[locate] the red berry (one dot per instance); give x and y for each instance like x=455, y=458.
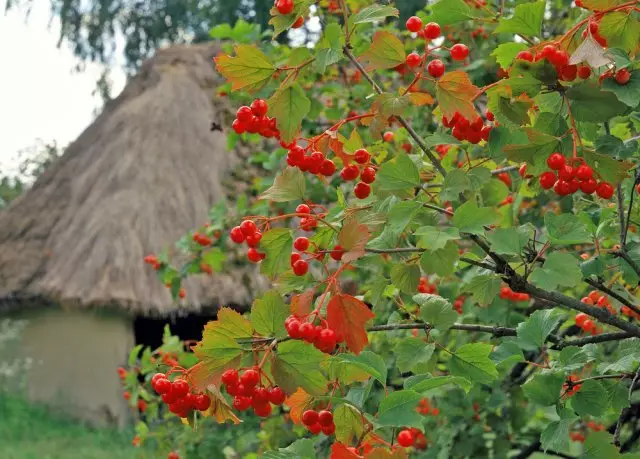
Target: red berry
x=162, y=386
x=349, y=172
x=241, y=403
x=337, y=253
x=459, y=52
x=431, y=31
x=547, y=180
x=566, y=173
x=587, y=325
x=325, y=418
x=435, y=68
x=310, y=417
x=581, y=318
x=489, y=115
x=362, y=190
x=259, y=107
x=308, y=332
x=298, y=23
x=623, y=76
x=301, y=244
x=329, y=430
x=562, y=188
x=413, y=60
x=593, y=27
x=315, y=429
x=303, y=209
x=328, y=168
x=574, y=185
x=173, y=455
x=263, y=410
x=154, y=379
x=294, y=257
x=388, y=136
x=588, y=186
x=569, y=72
x=505, y=178
x=293, y=329
x=254, y=255
x=525, y=56
x=277, y=396
x=180, y=388
x=414, y=24
x=368, y=175
x=584, y=71
x=523, y=170
x=300, y=267
x=261, y=396
x=555, y=161
x=237, y=235
x=244, y=115
x=254, y=239
x=362, y=156
x=326, y=340
x=604, y=190
x=250, y=378
x=203, y=402
x=238, y=127
x=405, y=438
x=584, y=172
x=284, y=6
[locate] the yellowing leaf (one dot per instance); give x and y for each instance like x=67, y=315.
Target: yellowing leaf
x=386, y=51
x=301, y=304
x=421, y=98
x=250, y=69
x=455, y=93
x=298, y=402
x=348, y=315
x=220, y=409
x=352, y=238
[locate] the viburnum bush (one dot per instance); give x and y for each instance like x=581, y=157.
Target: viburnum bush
x=450, y=234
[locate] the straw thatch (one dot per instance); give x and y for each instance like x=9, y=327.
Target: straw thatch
x=145, y=172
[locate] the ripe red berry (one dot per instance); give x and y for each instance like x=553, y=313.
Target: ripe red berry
x=581, y=318
x=505, y=178
x=327, y=168
x=237, y=235
x=203, y=402
x=308, y=332
x=604, y=190
x=555, y=161
x=361, y=156
x=368, y=175
x=349, y=172
x=250, y=378
x=622, y=76
x=261, y=396
x=413, y=60
x=298, y=23
x=310, y=417
x=562, y=188
x=315, y=429
x=154, y=379
x=436, y=68
x=325, y=418
x=293, y=329
x=254, y=239
x=259, y=107
x=405, y=438
x=431, y=30
x=584, y=172
x=388, y=136
x=587, y=325
x=244, y=115
x=525, y=56
x=303, y=209
x=254, y=255
x=277, y=396
x=414, y=24
x=329, y=430
x=566, y=173
x=284, y=6
x=230, y=377
x=241, y=403
x=301, y=244
x=584, y=71
x=337, y=253
x=326, y=340
x=547, y=180
x=459, y=52
x=362, y=190
x=162, y=386
x=248, y=227
x=262, y=410
x=180, y=388
x=300, y=267
x=588, y=186
x=173, y=455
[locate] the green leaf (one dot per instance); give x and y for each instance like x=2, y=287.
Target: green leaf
x=425, y=383
x=608, y=168
x=620, y=57
x=440, y=138
x=268, y=315
x=369, y=362
x=507, y=354
x=289, y=106
x=555, y=435
x=533, y=332
x=447, y=12
x=629, y=93
x=436, y=310
x=348, y=423
x=386, y=51
x=435, y=237
x=621, y=29
x=329, y=49
x=300, y=449
x=399, y=410
x=484, y=288
x=472, y=362
x=373, y=13
x=296, y=364
x=391, y=104
x=529, y=77
x=469, y=218
x=544, y=388
x=505, y=53
x=457, y=181
x=559, y=269
x=613, y=146
x=400, y=215
x=572, y=358
x=282, y=22
x=590, y=103
x=508, y=110
x=599, y=445
x=249, y=70
x=289, y=185
x=566, y=229
x=540, y=145
x=214, y=258
x=527, y=20
x=412, y=354
x=277, y=245
x=398, y=174
x=591, y=399
x=406, y=277
x=442, y=261
x=628, y=356
x=508, y=241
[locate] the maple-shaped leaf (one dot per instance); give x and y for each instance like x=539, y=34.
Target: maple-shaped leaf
x=455, y=93
x=250, y=69
x=301, y=305
x=220, y=409
x=297, y=364
x=347, y=315
x=341, y=451
x=421, y=98
x=289, y=185
x=298, y=403
x=386, y=51
x=352, y=238
x=289, y=106
x=540, y=146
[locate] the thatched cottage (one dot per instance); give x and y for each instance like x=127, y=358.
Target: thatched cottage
x=143, y=174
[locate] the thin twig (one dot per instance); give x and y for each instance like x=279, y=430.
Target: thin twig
x=625, y=256
x=624, y=411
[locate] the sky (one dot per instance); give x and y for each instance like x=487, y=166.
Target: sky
x=42, y=97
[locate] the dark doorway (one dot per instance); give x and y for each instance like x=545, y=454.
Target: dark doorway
x=148, y=331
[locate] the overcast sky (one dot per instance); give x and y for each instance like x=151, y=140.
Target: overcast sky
x=41, y=96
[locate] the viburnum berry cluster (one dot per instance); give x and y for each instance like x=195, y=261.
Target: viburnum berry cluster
x=471, y=131
x=254, y=120
x=248, y=391
x=178, y=395
x=507, y=294
x=425, y=408
x=569, y=178
x=425, y=286
x=247, y=232
x=320, y=335
x=319, y=421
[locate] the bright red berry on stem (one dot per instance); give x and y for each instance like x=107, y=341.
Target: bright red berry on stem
x=388, y=136
x=368, y=175
x=298, y=23
x=555, y=161
x=263, y=410
x=308, y=332
x=241, y=403
x=303, y=209
x=250, y=378
x=362, y=156
x=349, y=172
x=254, y=239
x=237, y=235
x=414, y=24
x=405, y=438
x=604, y=190
x=431, y=30
x=362, y=190
x=203, y=402
x=584, y=172
x=459, y=52
x=584, y=71
x=277, y=396
x=435, y=68
x=337, y=253
x=230, y=377
x=566, y=173
x=154, y=379
x=622, y=76
x=259, y=107
x=254, y=255
x=180, y=388
x=327, y=168
x=162, y=386
x=325, y=418
x=300, y=267
x=413, y=60
x=309, y=417
x=284, y=6
x=329, y=429
x=562, y=188
x=547, y=180
x=301, y=244
x=244, y=115
x=315, y=429
x=525, y=56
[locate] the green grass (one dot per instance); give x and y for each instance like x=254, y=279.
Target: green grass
x=34, y=432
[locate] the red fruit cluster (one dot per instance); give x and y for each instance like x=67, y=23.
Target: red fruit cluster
x=247, y=391
x=153, y=261
x=425, y=408
x=595, y=298
x=362, y=169
x=202, y=239
x=315, y=163
x=463, y=129
x=507, y=294
x=458, y=303
x=442, y=150
x=319, y=421
x=178, y=395
x=571, y=178
x=425, y=287
x=412, y=437
x=322, y=337
x=589, y=326
x=248, y=232
x=254, y=120
x=577, y=436
x=559, y=58
x=627, y=311
x=299, y=265
x=570, y=388
x=122, y=373
x=308, y=223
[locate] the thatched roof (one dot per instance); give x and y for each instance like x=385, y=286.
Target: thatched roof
x=144, y=173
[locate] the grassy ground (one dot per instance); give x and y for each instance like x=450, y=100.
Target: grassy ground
x=33, y=432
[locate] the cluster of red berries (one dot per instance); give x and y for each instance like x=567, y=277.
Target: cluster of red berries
x=248, y=393
x=430, y=32
x=507, y=294
x=308, y=223
x=202, y=239
x=595, y=298
x=559, y=58
x=570, y=388
x=362, y=169
x=319, y=421
x=627, y=311
x=425, y=408
x=412, y=437
x=463, y=129
x=316, y=162
x=570, y=179
x=577, y=436
x=594, y=29
x=178, y=395
x=589, y=326
x=254, y=120
x=153, y=261
x=248, y=232
x=299, y=265
x=424, y=286
x=323, y=338
x=458, y=303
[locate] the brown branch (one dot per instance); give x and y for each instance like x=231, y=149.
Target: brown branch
x=601, y=338
x=625, y=256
